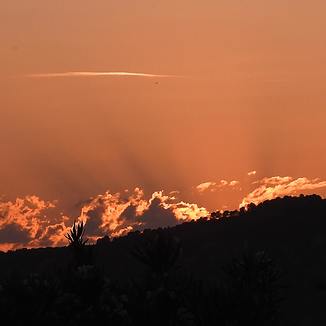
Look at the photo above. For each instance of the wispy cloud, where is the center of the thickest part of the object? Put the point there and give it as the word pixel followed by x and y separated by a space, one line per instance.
pixel 213 186
pixel 99 74
pixel 273 187
pixel 205 185
pixel 250 173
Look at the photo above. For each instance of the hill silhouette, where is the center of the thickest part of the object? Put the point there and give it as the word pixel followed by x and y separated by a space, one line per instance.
pixel 235 258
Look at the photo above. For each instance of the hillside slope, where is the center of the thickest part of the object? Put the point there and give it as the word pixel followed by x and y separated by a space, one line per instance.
pixel 291 230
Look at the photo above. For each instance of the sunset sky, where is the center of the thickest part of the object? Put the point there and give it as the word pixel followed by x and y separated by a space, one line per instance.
pixel 215 103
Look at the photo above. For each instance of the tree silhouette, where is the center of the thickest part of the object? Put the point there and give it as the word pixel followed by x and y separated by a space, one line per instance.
pixel 159 251
pixel 253 289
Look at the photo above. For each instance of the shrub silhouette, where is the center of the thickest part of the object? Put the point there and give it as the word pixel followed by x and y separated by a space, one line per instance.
pixel 82 254
pixel 76 235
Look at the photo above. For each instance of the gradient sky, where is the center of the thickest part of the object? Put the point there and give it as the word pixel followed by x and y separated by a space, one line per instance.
pixel 250 96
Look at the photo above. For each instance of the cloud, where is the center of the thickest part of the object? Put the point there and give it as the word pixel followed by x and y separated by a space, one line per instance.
pixel 14 234
pixel 277 180
pixel 273 187
pixel 156 215
pixel 24 222
pixel 32 222
pixel 213 186
pixel 251 173
pixel 116 215
pixel 205 185
pixel 99 74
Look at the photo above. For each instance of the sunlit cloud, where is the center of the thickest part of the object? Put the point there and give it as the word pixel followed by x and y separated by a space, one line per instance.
pixel 251 173
pixel 273 187
pixel 114 214
pixel 205 185
pixel 277 180
pixel 213 186
pixel 25 222
pixel 99 74
pixel 32 222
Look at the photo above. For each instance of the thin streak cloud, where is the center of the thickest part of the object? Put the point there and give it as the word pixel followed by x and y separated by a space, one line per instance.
pixel 99 74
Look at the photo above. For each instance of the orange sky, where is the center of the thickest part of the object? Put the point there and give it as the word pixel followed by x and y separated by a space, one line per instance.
pixel 251 97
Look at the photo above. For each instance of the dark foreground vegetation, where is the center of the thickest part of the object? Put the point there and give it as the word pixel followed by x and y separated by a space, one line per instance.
pixel 263 266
